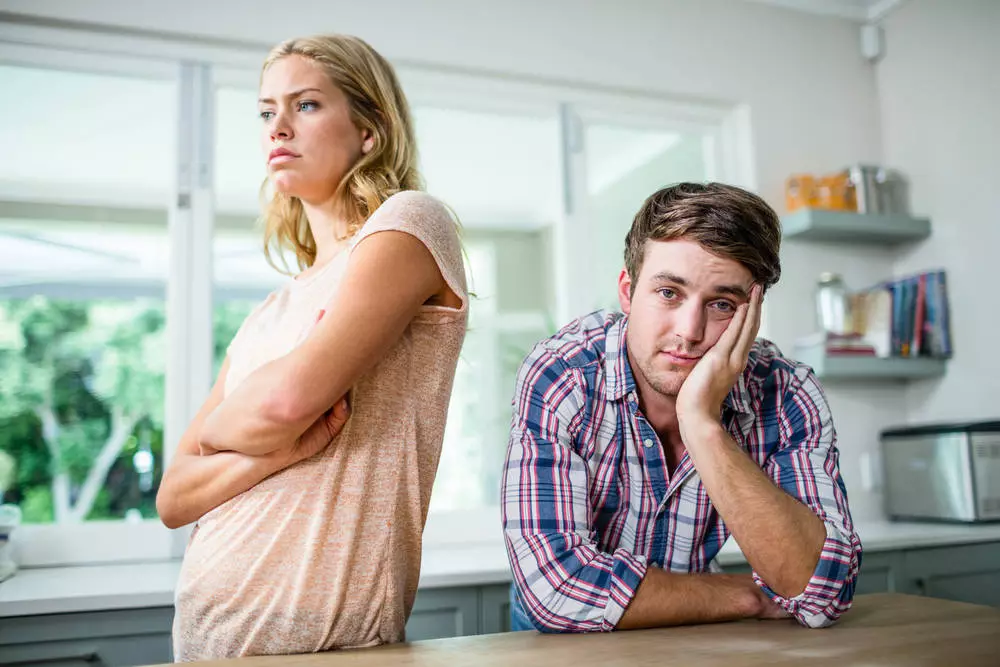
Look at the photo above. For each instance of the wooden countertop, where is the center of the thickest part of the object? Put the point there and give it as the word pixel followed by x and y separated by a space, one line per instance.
pixel 883 630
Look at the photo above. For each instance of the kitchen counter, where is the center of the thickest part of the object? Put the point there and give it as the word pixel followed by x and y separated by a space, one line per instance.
pixel 133 586
pixel 882 629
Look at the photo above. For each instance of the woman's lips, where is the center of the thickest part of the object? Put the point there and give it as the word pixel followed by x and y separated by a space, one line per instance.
pixel 282 158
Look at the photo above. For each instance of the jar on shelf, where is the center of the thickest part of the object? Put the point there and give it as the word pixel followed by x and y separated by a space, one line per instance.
pixel 831 305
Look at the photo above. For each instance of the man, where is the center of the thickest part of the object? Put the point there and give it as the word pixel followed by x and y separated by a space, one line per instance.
pixel 641 440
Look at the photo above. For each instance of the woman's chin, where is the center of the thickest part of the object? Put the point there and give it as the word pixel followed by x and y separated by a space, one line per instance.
pixel 283 185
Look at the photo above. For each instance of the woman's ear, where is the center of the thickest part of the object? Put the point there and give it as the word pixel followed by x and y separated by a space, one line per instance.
pixel 368 143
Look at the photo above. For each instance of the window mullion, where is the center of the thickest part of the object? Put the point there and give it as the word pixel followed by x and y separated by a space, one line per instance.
pixel 189 284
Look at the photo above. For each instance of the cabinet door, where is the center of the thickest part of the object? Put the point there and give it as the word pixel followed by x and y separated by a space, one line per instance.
pixel 881 572
pixel 494 609
pixel 444 612
pixel 96 639
pixel 964 573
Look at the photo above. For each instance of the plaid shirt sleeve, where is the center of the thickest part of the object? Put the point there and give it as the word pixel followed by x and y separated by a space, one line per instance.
pixel 564 581
pixel 805 466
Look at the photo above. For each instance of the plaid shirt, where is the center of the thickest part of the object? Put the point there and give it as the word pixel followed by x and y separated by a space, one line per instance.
pixel 588 505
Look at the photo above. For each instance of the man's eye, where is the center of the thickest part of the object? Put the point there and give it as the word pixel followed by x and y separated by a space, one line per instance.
pixel 667 293
pixel 724 306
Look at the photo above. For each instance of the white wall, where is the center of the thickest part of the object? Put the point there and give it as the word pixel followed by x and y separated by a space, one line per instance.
pixel 939 94
pixel 811 96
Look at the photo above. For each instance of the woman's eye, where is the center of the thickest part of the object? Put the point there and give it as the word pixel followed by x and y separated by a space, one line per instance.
pixel 307 106
pixel 266 115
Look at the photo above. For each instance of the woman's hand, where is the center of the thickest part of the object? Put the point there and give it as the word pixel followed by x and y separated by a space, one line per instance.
pixel 318 436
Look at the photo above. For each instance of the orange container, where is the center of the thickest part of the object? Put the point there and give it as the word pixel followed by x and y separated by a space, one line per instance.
pixel 835 192
pixel 800 192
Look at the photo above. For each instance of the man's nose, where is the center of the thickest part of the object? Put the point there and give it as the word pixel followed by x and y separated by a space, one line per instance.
pixel 690 322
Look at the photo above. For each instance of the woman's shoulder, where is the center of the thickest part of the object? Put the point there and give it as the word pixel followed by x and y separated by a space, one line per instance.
pixel 413 207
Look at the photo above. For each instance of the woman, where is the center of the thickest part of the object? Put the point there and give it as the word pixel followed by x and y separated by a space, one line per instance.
pixel 307 539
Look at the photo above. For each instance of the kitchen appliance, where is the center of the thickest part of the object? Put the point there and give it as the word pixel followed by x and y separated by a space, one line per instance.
pixel 944 472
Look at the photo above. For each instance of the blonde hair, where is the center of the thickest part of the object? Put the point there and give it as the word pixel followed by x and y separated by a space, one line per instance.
pixel 377 104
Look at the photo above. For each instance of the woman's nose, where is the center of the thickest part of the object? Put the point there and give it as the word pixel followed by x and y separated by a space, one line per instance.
pixel 281 129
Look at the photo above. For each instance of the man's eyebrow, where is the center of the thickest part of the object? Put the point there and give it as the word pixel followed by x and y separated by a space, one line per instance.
pixel 731 290
pixel 290 96
pixel 667 277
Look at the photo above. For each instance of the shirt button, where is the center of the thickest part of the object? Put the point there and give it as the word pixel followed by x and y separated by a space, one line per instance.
pixel 647 443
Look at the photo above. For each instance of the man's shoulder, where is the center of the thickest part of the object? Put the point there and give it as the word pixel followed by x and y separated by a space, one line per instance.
pixel 580 344
pixel 575 354
pixel 772 377
pixel 562 373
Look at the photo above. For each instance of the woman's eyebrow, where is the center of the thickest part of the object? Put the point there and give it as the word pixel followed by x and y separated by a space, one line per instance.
pixel 290 96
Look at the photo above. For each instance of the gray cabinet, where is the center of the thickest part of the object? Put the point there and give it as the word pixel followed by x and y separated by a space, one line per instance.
pixel 881 572
pixel 961 572
pixel 494 609
pixel 967 573
pixel 460 611
pixel 94 639
pixel 444 612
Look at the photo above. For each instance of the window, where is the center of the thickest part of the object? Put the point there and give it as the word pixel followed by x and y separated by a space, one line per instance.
pixel 106 327
pixel 625 164
pixel 82 348
pixel 506 203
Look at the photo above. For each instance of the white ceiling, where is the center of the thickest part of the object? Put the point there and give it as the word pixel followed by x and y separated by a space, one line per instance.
pixel 856 10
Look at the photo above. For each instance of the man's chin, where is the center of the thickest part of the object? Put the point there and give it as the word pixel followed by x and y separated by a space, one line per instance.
pixel 669 383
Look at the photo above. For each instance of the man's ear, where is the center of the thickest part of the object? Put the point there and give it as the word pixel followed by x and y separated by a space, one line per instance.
pixel 625 291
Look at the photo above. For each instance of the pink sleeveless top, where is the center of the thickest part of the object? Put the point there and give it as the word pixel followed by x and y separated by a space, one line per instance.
pixel 326 553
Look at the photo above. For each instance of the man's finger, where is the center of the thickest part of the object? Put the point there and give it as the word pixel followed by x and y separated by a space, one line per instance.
pixel 727 341
pixel 751 325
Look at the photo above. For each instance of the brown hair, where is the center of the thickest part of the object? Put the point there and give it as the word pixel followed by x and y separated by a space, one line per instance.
pixel 726 220
pixel 378 105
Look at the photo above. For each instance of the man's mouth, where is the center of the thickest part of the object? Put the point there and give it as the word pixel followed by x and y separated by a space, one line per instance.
pixel 680 358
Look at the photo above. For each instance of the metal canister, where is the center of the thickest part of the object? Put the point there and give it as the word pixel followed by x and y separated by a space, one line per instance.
pixel 865 180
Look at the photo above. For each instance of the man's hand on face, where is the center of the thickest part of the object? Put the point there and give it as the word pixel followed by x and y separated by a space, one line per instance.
pixel 712 378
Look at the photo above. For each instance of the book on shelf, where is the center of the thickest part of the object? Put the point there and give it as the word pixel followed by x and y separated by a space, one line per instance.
pixel 837 344
pixel 905 317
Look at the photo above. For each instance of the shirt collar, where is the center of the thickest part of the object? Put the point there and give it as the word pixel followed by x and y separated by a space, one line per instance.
pixel 621 382
pixel 616 366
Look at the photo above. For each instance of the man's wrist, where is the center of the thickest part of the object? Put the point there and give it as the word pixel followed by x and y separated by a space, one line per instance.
pixel 698 427
pixel 751 602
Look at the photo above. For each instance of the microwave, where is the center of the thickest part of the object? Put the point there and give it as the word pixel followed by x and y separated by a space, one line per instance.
pixel 943 472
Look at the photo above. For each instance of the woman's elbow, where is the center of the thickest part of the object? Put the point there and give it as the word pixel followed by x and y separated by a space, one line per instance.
pixel 169 510
pixel 286 406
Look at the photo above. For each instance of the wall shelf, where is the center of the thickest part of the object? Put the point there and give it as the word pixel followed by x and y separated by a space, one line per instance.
pixel 810 224
pixel 848 367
